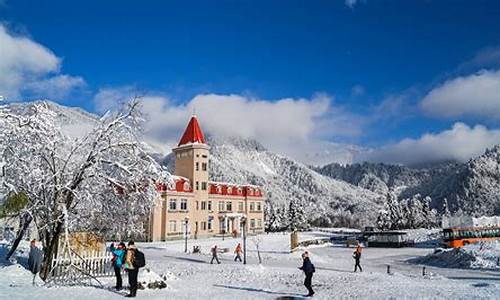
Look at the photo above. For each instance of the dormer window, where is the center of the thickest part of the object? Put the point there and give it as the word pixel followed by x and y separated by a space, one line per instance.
pixel 250 191
pixel 229 190
pixel 219 189
pixel 239 191
pixel 186 186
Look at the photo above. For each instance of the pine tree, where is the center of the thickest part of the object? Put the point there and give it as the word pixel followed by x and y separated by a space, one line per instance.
pixel 279 223
pixel 430 218
pixel 416 212
pixel 269 217
pixel 395 211
pixel 296 215
pixel 384 219
pixel 445 211
pixel 272 217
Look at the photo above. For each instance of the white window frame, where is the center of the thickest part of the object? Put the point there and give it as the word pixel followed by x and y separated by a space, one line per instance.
pixel 174 202
pixel 183 205
pixel 172 226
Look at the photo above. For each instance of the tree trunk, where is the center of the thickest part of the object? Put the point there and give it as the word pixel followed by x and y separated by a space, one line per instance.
pixel 52 243
pixel 24 222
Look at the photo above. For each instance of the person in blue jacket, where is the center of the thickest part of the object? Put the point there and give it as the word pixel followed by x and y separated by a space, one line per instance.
pixel 308 269
pixel 117 261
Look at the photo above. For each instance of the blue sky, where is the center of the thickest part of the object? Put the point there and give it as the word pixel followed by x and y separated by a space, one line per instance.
pixel 374 61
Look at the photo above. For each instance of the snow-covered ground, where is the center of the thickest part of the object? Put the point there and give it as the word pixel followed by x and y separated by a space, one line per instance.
pixel 475 256
pixel 191 276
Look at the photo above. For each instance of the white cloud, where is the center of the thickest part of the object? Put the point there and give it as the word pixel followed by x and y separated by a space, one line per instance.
pixel 291 126
pixel 56 87
pixel 474 95
pixel 459 143
pixel 28 66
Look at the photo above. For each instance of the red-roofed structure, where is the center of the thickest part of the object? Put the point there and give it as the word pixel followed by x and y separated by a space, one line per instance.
pixel 209 208
pixel 193 133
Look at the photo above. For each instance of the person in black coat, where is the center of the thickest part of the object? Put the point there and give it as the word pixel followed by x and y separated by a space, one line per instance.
pixel 35 259
pixel 308 269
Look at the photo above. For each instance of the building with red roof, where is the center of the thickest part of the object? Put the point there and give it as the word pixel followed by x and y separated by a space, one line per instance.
pixel 206 208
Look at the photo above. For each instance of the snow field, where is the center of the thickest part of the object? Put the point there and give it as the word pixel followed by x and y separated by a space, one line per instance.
pixel 191 276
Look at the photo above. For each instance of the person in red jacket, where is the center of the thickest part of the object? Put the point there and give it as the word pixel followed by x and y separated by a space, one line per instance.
pixel 238 252
pixel 357 257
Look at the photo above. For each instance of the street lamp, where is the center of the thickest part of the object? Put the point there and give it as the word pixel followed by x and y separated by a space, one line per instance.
pixel 186 221
pixel 224 229
pixel 244 223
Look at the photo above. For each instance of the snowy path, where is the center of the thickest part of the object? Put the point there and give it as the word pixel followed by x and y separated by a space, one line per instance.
pixel 195 278
pixel 279 275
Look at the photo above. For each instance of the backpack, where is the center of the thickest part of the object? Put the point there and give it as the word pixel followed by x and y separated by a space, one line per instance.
pixel 313 269
pixel 139 259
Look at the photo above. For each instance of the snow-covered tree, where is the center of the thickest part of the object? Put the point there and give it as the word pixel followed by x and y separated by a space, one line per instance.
pixel 445 210
pixel 296 215
pixel 273 215
pixel 430 215
pixel 102 182
pixel 269 216
pixel 391 216
pixel 395 211
pixel 384 221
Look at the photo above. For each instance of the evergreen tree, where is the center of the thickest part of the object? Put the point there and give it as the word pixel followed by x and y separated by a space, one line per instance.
pixel 269 216
pixel 279 223
pixel 416 212
pixel 445 211
pixel 395 211
pixel 296 215
pixel 430 215
pixel 384 218
pixel 273 218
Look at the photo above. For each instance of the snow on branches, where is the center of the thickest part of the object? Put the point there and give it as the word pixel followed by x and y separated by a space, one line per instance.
pixel 103 179
pixel 409 213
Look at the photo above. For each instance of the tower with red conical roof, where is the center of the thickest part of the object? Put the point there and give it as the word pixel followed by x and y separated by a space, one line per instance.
pixel 193 133
pixel 191 157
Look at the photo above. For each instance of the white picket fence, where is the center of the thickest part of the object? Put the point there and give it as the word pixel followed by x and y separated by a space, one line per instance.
pixel 91 263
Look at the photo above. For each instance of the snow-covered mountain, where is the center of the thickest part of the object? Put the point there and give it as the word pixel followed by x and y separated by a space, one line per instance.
pixel 351 193
pixel 247 161
pixel 473 187
pixel 381 178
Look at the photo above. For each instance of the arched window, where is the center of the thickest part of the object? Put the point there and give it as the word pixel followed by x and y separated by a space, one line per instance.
pixel 186 186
